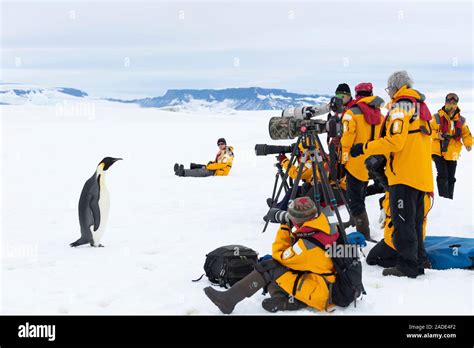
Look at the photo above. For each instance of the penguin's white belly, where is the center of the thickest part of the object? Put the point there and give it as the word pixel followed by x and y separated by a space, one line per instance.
pixel 104 206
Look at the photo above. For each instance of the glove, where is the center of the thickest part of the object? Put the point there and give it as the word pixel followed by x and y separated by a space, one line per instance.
pixel 441 136
pixel 282 157
pixel 357 150
pixel 382 217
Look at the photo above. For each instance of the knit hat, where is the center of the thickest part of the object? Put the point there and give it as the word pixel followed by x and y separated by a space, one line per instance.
pixel 364 89
pixel 221 140
pixel 343 88
pixel 302 209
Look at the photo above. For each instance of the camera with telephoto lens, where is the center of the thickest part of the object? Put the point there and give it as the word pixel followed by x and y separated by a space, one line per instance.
pixel 278 216
pixel 281 128
pixel 376 167
pixel 295 122
pixel 305 112
pixel 264 149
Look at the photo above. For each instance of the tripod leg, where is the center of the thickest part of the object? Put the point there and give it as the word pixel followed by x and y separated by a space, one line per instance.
pixel 285 177
pixel 327 186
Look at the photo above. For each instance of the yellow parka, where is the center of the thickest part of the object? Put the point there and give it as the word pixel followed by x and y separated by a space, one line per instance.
pixel 389 229
pixel 223 163
pixel 407 148
pixel 358 130
pixel 303 255
pixel 307 174
pixel 454 146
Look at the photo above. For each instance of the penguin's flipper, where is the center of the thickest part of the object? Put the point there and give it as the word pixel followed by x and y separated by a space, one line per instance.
pixel 94 205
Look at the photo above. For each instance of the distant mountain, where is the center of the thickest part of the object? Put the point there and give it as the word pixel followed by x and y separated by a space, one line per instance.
pixel 23 94
pixel 224 100
pixel 252 98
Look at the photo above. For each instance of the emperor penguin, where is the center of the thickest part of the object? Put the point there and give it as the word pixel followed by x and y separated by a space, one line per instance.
pixel 94 206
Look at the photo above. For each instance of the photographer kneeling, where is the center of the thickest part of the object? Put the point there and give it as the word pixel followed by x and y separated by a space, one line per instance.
pixel 298 273
pixel 384 253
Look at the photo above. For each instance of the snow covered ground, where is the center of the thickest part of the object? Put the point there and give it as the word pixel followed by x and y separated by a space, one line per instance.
pixel 161 226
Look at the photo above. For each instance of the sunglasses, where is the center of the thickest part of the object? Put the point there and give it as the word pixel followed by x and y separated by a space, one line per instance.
pixel 389 89
pixel 219 144
pixel 452 100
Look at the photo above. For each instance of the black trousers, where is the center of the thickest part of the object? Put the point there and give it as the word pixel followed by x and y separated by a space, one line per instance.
pixel 446 176
pixel 407 211
pixel 381 254
pixel 356 192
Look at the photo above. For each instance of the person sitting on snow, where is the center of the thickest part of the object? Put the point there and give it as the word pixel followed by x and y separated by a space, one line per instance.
pixel 219 167
pixel 299 271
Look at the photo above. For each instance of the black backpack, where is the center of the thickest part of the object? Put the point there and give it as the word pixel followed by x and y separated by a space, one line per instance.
pixel 229 264
pixel 348 286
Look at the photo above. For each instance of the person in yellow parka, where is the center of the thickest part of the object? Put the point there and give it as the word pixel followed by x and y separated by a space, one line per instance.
pixel 298 273
pixel 450 132
pixel 219 167
pixel 384 252
pixel 361 123
pixel 406 142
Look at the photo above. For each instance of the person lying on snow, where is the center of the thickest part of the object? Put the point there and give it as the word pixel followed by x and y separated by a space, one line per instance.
pixel 299 271
pixel 219 167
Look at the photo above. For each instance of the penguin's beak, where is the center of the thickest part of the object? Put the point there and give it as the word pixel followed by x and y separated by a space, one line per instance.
pixel 118 159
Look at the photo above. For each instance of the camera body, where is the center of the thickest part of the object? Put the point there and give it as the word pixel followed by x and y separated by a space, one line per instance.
pixel 445 142
pixel 336 105
pixel 376 167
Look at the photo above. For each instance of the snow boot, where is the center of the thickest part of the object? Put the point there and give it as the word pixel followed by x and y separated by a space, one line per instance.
pixel 246 287
pixel 196 166
pixel 181 170
pixel 362 225
pixel 176 168
pixel 394 271
pixel 279 300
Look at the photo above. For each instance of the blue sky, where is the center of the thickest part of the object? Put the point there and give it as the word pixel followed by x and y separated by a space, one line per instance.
pixel 133 48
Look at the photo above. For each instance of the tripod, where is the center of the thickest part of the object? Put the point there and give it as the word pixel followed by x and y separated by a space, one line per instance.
pixel 314 151
pixel 279 175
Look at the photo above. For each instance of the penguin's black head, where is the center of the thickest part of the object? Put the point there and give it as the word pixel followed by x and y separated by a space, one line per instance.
pixel 108 161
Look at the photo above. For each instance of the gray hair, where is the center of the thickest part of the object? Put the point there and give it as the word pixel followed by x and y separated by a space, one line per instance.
pixel 398 79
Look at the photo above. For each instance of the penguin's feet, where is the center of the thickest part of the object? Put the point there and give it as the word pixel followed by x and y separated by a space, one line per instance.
pixel 101 246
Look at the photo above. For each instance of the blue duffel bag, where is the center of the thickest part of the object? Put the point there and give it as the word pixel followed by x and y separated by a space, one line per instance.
pixel 450 252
